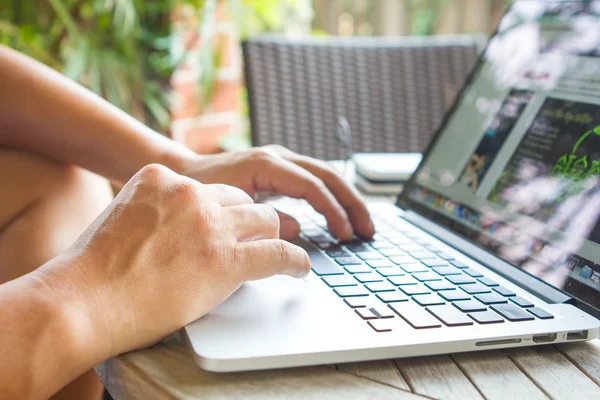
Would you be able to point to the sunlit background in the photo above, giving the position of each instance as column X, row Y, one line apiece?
column 176, row 64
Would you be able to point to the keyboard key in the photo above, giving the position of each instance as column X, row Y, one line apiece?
column 540, row 313
column 337, row 253
column 394, row 271
column 444, row 256
column 318, row 237
column 435, row 262
column 460, row 279
column 487, row 282
column 469, row 306
column 325, row 244
column 384, row 286
column 472, row 272
column 440, row 285
column 403, row 259
column 365, row 313
column 351, row 291
column 381, row 244
column 325, row 267
column 475, row 288
column 412, row 246
column 357, row 302
column 490, row 298
column 339, row 280
column 449, row 315
column 445, row 271
column 348, row 261
column 411, row 268
column 454, row 295
column 392, row 297
column 403, row 280
column 504, row 291
column 357, row 247
column 428, row 300
column 415, row 315
column 383, row 263
column 427, row 276
column 380, row 325
column 368, row 277
column 422, row 255
column 358, row 269
column 399, row 239
column 369, row 255
column 411, row 290
column 512, row 312
column 521, row 302
column 392, row 252
column 458, row 264
column 383, row 312
column 486, row 317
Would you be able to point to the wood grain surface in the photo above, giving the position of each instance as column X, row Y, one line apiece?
column 167, row 371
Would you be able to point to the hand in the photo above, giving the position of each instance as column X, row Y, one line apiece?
column 275, row 169
column 166, row 251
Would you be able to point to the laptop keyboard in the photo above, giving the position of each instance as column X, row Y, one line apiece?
column 400, row 274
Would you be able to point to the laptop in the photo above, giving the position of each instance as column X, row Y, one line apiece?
column 493, row 243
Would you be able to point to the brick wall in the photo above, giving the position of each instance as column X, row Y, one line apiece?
column 198, row 125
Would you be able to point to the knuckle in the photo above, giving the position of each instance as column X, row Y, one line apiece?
column 318, row 185
column 270, row 216
column 260, row 155
column 233, row 191
column 283, row 253
column 277, row 148
column 183, row 190
column 151, row 172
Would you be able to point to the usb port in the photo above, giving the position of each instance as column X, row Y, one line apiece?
column 579, row 335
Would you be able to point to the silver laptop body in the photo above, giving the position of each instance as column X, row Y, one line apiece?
column 494, row 243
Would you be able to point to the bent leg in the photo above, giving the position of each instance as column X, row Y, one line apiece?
column 44, row 207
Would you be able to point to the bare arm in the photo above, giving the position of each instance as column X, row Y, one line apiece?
column 47, row 338
column 43, row 112
column 165, row 252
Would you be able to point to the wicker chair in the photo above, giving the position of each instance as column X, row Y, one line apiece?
column 393, row 92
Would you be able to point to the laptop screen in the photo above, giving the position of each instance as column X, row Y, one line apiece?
column 515, row 167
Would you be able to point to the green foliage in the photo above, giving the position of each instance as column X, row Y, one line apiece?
column 121, row 49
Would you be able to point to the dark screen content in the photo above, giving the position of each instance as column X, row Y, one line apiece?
column 494, row 137
column 551, row 189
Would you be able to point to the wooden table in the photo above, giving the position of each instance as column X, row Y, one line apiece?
column 167, row 371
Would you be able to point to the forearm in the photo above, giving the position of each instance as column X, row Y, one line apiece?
column 47, row 337
column 45, row 113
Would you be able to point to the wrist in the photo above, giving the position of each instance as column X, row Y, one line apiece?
column 68, row 299
column 179, row 158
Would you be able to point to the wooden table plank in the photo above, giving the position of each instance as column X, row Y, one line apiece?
column 438, row 377
column 585, row 356
column 167, row 371
column 384, row 371
column 496, row 376
column 554, row 373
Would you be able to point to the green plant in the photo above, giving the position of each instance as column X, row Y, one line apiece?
column 121, row 49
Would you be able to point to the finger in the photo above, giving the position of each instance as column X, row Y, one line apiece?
column 289, row 228
column 254, row 222
column 284, row 177
column 346, row 194
column 264, row 258
column 228, row 196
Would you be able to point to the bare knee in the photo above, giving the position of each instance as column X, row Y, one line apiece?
column 51, row 205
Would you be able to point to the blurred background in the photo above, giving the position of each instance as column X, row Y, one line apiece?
column 176, row 65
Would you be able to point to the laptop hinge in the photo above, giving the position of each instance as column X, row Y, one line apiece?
column 520, row 278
